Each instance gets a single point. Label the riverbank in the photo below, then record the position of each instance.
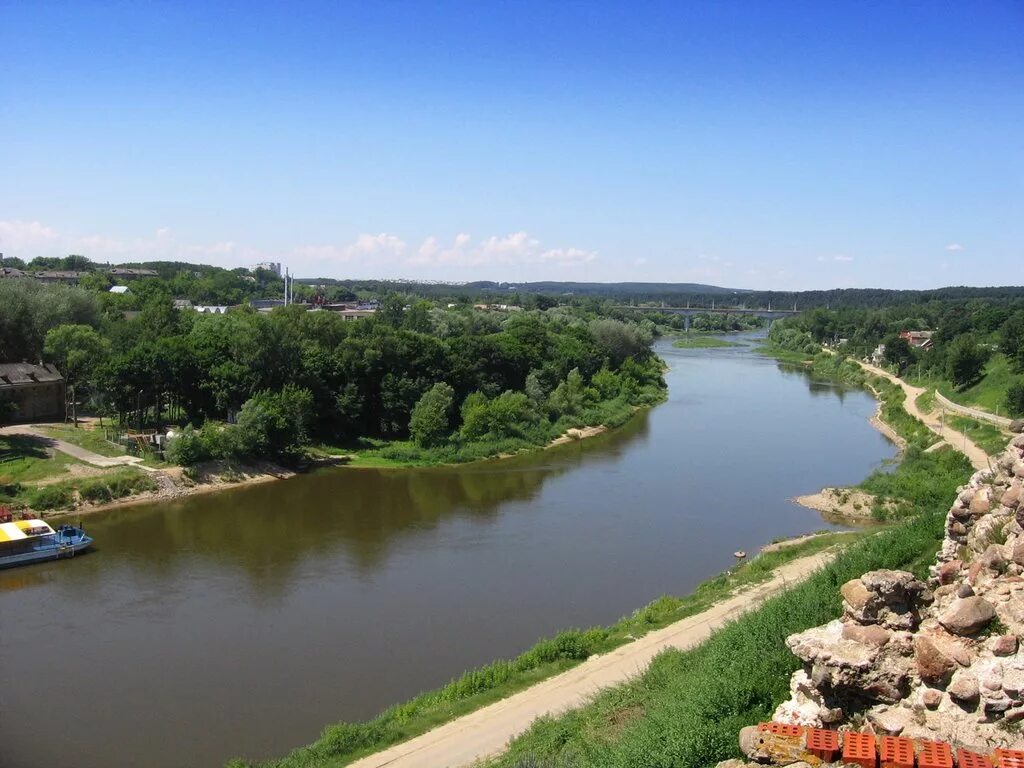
(720, 597)
(703, 342)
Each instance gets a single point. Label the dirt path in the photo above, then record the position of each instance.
(487, 731)
(74, 451)
(977, 457)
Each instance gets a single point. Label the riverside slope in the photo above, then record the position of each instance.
(486, 732)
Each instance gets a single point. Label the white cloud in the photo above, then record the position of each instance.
(381, 254)
(954, 247)
(836, 257)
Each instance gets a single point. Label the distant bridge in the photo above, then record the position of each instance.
(768, 314)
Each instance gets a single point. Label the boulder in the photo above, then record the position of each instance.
(870, 634)
(967, 615)
(1011, 496)
(949, 571)
(964, 688)
(933, 666)
(1018, 553)
(992, 558)
(1017, 426)
(855, 595)
(980, 504)
(931, 698)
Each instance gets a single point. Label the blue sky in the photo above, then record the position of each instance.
(747, 144)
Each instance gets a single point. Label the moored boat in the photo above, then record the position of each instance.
(33, 541)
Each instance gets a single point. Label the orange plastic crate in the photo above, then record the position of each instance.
(967, 759)
(859, 749)
(1010, 758)
(896, 752)
(824, 744)
(935, 754)
(782, 729)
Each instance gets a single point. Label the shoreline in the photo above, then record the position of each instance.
(266, 472)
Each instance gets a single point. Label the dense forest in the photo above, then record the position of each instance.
(456, 381)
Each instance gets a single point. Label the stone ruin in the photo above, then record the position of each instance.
(936, 661)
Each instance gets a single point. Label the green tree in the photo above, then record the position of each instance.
(1011, 341)
(275, 423)
(1015, 399)
(429, 423)
(568, 397)
(965, 360)
(78, 351)
(898, 352)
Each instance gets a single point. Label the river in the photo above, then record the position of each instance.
(240, 623)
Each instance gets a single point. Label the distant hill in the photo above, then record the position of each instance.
(609, 289)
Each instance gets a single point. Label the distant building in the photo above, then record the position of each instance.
(10, 272)
(37, 391)
(182, 304)
(265, 305)
(127, 273)
(208, 309)
(119, 289)
(269, 266)
(918, 339)
(57, 276)
(356, 314)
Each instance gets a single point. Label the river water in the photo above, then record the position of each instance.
(241, 623)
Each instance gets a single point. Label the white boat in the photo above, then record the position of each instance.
(33, 541)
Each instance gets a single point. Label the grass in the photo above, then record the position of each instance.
(341, 744)
(988, 394)
(987, 436)
(926, 401)
(703, 342)
(688, 707)
(84, 437)
(25, 459)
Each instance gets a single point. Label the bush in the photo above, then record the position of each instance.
(1015, 399)
(187, 448)
(54, 496)
(429, 422)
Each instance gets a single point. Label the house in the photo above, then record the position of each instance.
(126, 273)
(121, 290)
(878, 356)
(182, 304)
(37, 391)
(10, 272)
(60, 276)
(265, 305)
(356, 314)
(918, 339)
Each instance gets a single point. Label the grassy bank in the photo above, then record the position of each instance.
(345, 742)
(688, 707)
(986, 436)
(69, 494)
(703, 342)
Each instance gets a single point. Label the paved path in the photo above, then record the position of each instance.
(74, 451)
(978, 458)
(487, 731)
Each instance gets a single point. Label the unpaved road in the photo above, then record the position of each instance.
(977, 457)
(486, 732)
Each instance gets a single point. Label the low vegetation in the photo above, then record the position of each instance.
(987, 436)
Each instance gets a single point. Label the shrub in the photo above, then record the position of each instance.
(55, 496)
(429, 422)
(187, 448)
(1015, 399)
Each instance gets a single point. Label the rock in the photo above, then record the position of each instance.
(1013, 679)
(931, 698)
(764, 747)
(973, 571)
(871, 634)
(980, 504)
(1011, 497)
(992, 558)
(806, 705)
(1018, 553)
(732, 764)
(890, 720)
(949, 571)
(965, 616)
(964, 590)
(933, 666)
(964, 688)
(1017, 426)
(855, 594)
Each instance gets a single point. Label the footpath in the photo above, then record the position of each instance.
(978, 458)
(75, 451)
(486, 732)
